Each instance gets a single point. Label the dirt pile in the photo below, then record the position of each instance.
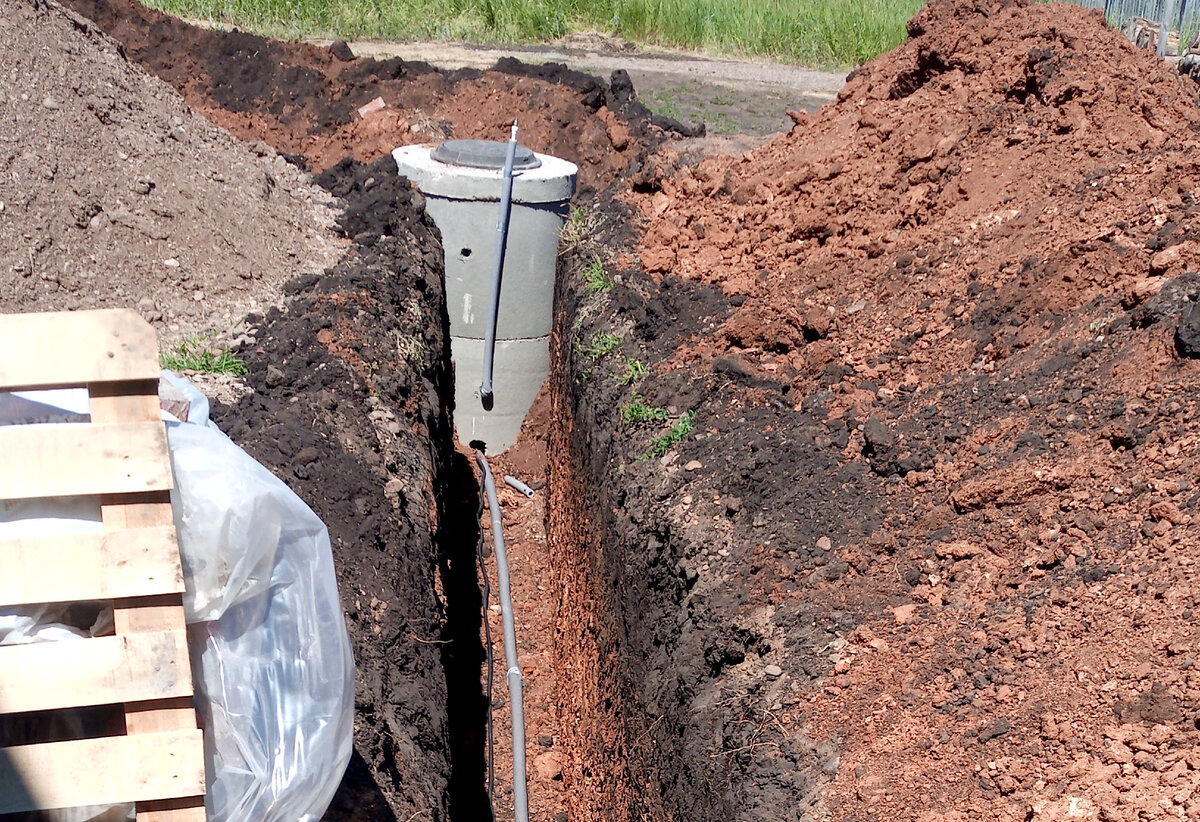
(115, 193)
(929, 551)
(304, 100)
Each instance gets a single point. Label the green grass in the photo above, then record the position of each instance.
(599, 345)
(829, 33)
(634, 371)
(637, 411)
(195, 354)
(678, 433)
(579, 230)
(596, 278)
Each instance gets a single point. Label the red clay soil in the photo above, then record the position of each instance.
(303, 99)
(946, 387)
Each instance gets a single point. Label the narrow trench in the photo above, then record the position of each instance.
(462, 651)
(538, 604)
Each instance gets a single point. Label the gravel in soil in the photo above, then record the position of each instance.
(114, 192)
(928, 551)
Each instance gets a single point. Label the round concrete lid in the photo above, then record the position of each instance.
(552, 181)
(489, 154)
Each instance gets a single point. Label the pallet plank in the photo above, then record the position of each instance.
(81, 460)
(102, 771)
(64, 349)
(100, 671)
(127, 402)
(100, 565)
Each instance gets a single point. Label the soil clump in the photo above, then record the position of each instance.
(304, 99)
(928, 549)
(114, 192)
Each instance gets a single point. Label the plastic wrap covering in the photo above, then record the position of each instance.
(270, 651)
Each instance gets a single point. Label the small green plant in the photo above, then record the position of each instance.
(600, 344)
(634, 371)
(637, 410)
(596, 278)
(411, 348)
(678, 433)
(579, 230)
(197, 354)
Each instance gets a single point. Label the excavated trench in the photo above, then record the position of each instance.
(352, 402)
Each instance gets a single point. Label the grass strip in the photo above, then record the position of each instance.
(819, 33)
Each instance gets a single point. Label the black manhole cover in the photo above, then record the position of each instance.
(487, 154)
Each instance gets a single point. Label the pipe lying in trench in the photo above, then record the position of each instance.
(517, 485)
(515, 681)
(489, 350)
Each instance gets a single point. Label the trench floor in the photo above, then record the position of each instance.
(534, 606)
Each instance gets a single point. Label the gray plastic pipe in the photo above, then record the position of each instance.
(489, 342)
(516, 686)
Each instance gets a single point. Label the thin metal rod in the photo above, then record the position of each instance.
(489, 343)
(515, 681)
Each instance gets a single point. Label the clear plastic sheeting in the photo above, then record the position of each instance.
(270, 652)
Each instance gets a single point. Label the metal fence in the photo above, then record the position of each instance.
(1182, 16)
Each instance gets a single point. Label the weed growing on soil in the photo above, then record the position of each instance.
(600, 344)
(1098, 326)
(597, 279)
(634, 371)
(579, 231)
(678, 433)
(411, 348)
(196, 354)
(637, 410)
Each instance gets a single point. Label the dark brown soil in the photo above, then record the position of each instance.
(348, 381)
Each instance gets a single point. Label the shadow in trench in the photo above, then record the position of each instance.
(463, 652)
(358, 797)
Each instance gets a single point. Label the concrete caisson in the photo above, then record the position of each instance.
(464, 201)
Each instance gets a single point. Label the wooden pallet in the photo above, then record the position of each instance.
(121, 457)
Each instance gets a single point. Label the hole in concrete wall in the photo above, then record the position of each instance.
(466, 252)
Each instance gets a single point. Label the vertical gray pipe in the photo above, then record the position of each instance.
(515, 682)
(489, 343)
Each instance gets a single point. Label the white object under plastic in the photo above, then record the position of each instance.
(270, 652)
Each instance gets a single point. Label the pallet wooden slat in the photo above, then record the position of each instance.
(122, 457)
(116, 403)
(101, 671)
(98, 565)
(82, 460)
(74, 349)
(103, 771)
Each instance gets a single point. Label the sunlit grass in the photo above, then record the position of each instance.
(829, 33)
